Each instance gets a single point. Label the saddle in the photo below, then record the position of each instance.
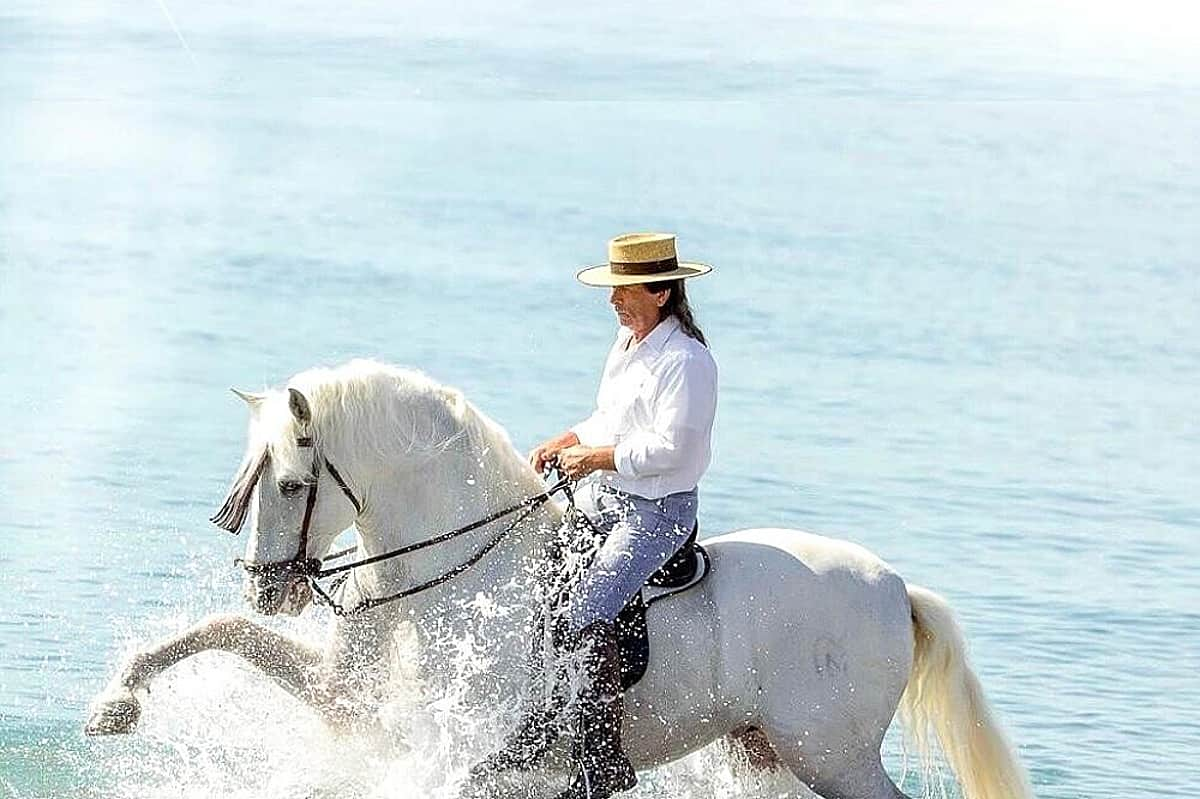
(686, 568)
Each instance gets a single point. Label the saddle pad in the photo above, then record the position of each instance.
(633, 637)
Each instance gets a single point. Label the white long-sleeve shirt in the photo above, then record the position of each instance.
(655, 406)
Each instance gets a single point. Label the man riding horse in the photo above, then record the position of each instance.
(643, 450)
(816, 665)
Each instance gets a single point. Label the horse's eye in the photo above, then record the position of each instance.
(290, 487)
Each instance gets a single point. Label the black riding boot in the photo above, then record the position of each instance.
(604, 767)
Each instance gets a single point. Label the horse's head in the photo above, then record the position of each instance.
(296, 500)
(386, 448)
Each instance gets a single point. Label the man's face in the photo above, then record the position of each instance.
(638, 306)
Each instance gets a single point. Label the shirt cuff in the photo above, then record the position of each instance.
(587, 433)
(623, 459)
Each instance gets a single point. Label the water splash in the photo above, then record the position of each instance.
(213, 726)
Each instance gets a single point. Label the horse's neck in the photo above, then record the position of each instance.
(454, 491)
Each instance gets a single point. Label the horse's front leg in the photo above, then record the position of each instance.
(294, 665)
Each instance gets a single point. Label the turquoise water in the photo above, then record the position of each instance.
(955, 310)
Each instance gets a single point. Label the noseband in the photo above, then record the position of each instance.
(233, 513)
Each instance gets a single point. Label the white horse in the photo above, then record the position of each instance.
(804, 644)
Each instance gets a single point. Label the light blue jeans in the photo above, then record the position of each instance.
(642, 535)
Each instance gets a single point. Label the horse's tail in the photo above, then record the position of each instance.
(944, 698)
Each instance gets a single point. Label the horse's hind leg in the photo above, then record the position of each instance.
(832, 777)
(866, 782)
(294, 665)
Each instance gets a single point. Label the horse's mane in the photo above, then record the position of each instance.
(364, 409)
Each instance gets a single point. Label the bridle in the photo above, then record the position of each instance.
(311, 569)
(301, 565)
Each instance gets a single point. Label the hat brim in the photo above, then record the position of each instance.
(603, 275)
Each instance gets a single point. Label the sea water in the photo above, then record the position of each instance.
(954, 307)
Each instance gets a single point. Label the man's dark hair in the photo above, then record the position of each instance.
(677, 306)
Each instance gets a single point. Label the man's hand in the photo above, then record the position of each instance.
(579, 461)
(545, 453)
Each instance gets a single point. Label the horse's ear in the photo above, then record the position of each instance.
(253, 400)
(298, 404)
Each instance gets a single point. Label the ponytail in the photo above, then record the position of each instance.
(677, 306)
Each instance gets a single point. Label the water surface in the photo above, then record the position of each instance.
(954, 309)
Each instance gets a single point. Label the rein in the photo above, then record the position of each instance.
(312, 569)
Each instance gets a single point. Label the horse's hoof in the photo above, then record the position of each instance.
(117, 716)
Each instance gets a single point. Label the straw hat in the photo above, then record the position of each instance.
(641, 258)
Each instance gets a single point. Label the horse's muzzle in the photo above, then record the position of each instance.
(269, 597)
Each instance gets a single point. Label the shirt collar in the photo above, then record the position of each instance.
(656, 338)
